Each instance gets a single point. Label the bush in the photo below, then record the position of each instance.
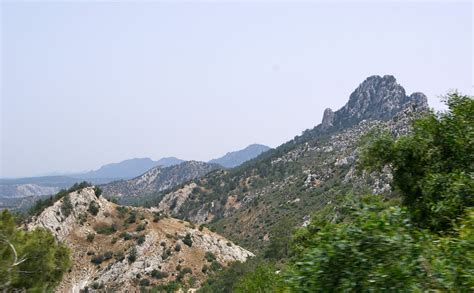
(90, 237)
(97, 191)
(66, 206)
(144, 282)
(159, 274)
(140, 239)
(122, 211)
(177, 247)
(209, 256)
(119, 256)
(105, 229)
(126, 235)
(140, 227)
(132, 256)
(157, 216)
(93, 208)
(187, 240)
(182, 273)
(97, 285)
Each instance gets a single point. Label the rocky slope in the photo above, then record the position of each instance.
(312, 173)
(158, 179)
(122, 248)
(234, 159)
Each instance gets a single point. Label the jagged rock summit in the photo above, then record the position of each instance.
(377, 98)
(117, 248)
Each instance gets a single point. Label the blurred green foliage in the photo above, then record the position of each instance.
(30, 260)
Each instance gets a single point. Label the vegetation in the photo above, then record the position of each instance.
(97, 191)
(425, 242)
(30, 260)
(132, 256)
(66, 206)
(93, 208)
(159, 274)
(188, 240)
(432, 168)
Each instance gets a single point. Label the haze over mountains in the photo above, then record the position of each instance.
(124, 170)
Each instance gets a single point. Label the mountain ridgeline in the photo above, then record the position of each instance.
(311, 173)
(129, 168)
(234, 159)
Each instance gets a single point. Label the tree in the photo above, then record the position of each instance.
(30, 260)
(279, 247)
(262, 280)
(379, 250)
(432, 167)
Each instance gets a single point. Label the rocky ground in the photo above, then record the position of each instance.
(124, 248)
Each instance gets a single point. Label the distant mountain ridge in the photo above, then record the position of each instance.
(45, 185)
(158, 179)
(129, 168)
(234, 159)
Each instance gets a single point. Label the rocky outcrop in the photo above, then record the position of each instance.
(172, 202)
(130, 244)
(377, 98)
(328, 119)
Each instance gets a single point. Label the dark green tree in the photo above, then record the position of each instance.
(30, 260)
(433, 167)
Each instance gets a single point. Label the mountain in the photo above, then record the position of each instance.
(34, 186)
(158, 179)
(124, 249)
(47, 185)
(128, 168)
(313, 173)
(234, 159)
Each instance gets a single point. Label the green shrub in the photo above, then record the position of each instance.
(66, 206)
(209, 256)
(132, 256)
(187, 240)
(90, 237)
(106, 229)
(159, 274)
(97, 191)
(93, 208)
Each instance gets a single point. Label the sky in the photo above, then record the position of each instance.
(84, 84)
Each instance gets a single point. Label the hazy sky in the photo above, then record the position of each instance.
(85, 84)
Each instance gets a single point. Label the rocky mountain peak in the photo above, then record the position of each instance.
(377, 98)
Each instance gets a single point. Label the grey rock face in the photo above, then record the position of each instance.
(328, 119)
(377, 98)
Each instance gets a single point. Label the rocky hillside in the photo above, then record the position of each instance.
(234, 159)
(158, 179)
(121, 248)
(312, 173)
